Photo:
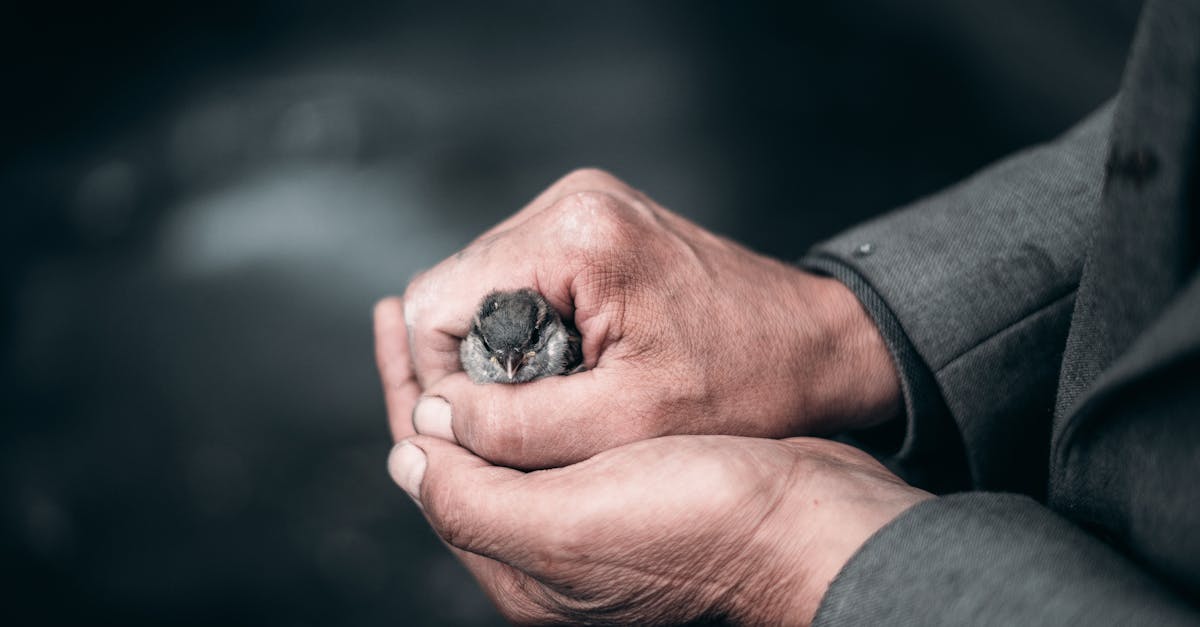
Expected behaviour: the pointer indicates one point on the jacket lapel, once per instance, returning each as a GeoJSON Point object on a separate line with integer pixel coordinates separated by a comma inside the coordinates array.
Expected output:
{"type": "Point", "coordinates": [1126, 319]}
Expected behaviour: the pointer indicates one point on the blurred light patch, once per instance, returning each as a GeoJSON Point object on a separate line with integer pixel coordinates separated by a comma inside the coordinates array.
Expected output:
{"type": "Point", "coordinates": [363, 223]}
{"type": "Point", "coordinates": [319, 128]}
{"type": "Point", "coordinates": [209, 141]}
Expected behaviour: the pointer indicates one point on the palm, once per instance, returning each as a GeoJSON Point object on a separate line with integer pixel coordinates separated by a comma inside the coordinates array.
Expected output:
{"type": "Point", "coordinates": [670, 530]}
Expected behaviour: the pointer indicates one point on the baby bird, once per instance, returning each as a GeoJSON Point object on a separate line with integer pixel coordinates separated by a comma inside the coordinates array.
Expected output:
{"type": "Point", "coordinates": [517, 337]}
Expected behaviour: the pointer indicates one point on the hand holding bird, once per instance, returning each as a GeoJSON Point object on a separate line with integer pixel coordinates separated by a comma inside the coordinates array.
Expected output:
{"type": "Point", "coordinates": [680, 331]}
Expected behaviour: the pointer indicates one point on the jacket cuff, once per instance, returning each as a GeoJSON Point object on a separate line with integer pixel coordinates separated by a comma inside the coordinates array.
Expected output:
{"type": "Point", "coordinates": [981, 281]}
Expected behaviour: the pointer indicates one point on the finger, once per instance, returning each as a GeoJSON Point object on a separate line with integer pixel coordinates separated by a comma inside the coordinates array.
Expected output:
{"type": "Point", "coordinates": [471, 504]}
{"type": "Point", "coordinates": [546, 423]}
{"type": "Point", "coordinates": [400, 388]}
{"type": "Point", "coordinates": [512, 590]}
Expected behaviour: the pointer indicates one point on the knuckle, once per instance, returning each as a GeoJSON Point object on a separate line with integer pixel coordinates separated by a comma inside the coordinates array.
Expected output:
{"type": "Point", "coordinates": [591, 205]}
{"type": "Point", "coordinates": [595, 221]}
{"type": "Point", "coordinates": [581, 177]}
{"type": "Point", "coordinates": [419, 297]}
{"type": "Point", "coordinates": [412, 311]}
{"type": "Point", "coordinates": [383, 307]}
{"type": "Point", "coordinates": [416, 287]}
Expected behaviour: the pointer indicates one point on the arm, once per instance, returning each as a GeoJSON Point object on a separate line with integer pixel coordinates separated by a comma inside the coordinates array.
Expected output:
{"type": "Point", "coordinates": [549, 546]}
{"type": "Point", "coordinates": [973, 290]}
{"type": "Point", "coordinates": [752, 531]}
{"type": "Point", "coordinates": [984, 558]}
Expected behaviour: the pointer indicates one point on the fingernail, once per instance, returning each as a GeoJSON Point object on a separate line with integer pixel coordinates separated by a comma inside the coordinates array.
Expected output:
{"type": "Point", "coordinates": [431, 416]}
{"type": "Point", "coordinates": [406, 464]}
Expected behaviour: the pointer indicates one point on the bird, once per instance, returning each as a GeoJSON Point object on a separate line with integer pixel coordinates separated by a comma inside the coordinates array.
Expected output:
{"type": "Point", "coordinates": [515, 337]}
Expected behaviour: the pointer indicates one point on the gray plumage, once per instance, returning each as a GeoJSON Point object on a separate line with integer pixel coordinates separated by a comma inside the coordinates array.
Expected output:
{"type": "Point", "coordinates": [517, 337]}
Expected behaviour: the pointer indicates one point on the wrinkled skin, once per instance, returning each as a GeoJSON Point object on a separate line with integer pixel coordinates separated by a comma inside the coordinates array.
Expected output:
{"type": "Point", "coordinates": [683, 333]}
{"type": "Point", "coordinates": [662, 531]}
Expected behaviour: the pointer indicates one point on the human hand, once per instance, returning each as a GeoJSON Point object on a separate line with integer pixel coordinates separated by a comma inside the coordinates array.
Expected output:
{"type": "Point", "coordinates": [670, 530]}
{"type": "Point", "coordinates": [683, 332]}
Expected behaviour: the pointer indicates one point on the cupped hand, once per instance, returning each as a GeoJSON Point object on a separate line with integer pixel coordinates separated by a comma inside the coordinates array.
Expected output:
{"type": "Point", "coordinates": [664, 531]}
{"type": "Point", "coordinates": [684, 332]}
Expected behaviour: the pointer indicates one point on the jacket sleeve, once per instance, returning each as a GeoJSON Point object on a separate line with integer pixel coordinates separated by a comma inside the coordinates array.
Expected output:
{"type": "Point", "coordinates": [973, 290]}
{"type": "Point", "coordinates": [981, 559]}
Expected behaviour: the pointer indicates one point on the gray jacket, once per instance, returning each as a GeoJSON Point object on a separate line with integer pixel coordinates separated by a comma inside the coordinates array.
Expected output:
{"type": "Point", "coordinates": [1045, 318]}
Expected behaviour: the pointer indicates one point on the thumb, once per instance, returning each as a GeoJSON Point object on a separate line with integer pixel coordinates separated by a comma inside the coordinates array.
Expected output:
{"type": "Point", "coordinates": [471, 504]}
{"type": "Point", "coordinates": [546, 423]}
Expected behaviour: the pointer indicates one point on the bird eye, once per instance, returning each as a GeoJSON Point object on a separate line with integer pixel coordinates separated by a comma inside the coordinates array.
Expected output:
{"type": "Point", "coordinates": [535, 336]}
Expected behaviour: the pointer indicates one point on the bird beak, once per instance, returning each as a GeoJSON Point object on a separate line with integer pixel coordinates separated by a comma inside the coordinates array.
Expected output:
{"type": "Point", "coordinates": [512, 361]}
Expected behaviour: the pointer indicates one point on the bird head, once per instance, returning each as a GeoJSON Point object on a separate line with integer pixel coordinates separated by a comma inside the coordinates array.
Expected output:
{"type": "Point", "coordinates": [510, 324]}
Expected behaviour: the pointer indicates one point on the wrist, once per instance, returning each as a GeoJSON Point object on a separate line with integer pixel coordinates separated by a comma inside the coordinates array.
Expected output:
{"type": "Point", "coordinates": [854, 383]}
{"type": "Point", "coordinates": [831, 507]}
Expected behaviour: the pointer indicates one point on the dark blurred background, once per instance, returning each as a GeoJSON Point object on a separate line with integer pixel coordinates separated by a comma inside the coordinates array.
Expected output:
{"type": "Point", "coordinates": [201, 202]}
